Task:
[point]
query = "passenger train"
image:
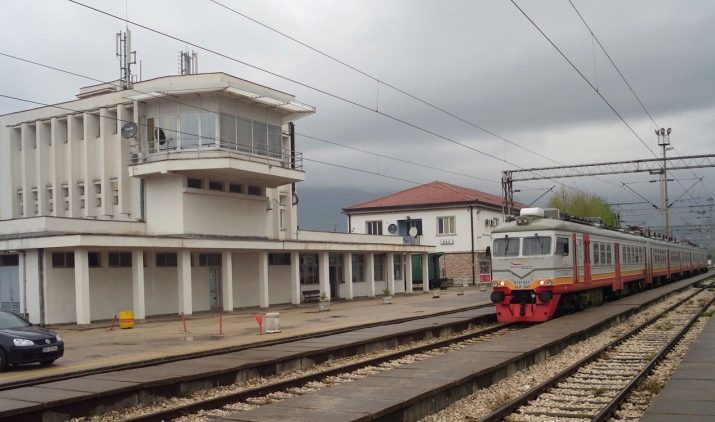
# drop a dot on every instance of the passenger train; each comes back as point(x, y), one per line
point(543, 263)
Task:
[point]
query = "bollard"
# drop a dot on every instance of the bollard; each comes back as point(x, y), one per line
point(273, 322)
point(183, 320)
point(220, 325)
point(259, 320)
point(114, 321)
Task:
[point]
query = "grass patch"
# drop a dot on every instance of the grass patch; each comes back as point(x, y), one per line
point(708, 314)
point(599, 391)
point(652, 386)
point(650, 356)
point(500, 400)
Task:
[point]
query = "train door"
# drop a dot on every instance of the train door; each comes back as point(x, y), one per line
point(586, 258)
point(575, 252)
point(618, 285)
point(667, 261)
point(648, 265)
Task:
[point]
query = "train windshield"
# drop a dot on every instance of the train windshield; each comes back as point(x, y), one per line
point(509, 246)
point(537, 245)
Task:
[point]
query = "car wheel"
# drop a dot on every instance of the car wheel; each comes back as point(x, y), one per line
point(3, 360)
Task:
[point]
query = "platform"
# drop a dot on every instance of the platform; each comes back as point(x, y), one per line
point(689, 395)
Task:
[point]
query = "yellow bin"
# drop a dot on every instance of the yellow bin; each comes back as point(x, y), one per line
point(126, 319)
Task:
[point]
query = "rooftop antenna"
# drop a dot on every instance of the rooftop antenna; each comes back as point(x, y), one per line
point(188, 63)
point(126, 57)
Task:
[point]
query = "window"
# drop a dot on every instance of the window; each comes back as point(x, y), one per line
point(120, 259)
point(281, 211)
point(404, 226)
point(189, 128)
point(34, 201)
point(562, 246)
point(278, 259)
point(94, 259)
point(358, 263)
point(63, 260)
point(208, 129)
point(9, 260)
point(115, 191)
point(445, 225)
point(255, 190)
point(80, 192)
point(596, 255)
point(228, 131)
point(78, 122)
point(165, 260)
point(373, 227)
point(234, 188)
point(20, 203)
point(215, 185)
point(260, 138)
point(537, 245)
point(602, 253)
point(274, 141)
point(209, 260)
point(508, 246)
point(50, 197)
point(379, 267)
point(398, 267)
point(609, 254)
point(309, 269)
point(335, 268)
point(194, 183)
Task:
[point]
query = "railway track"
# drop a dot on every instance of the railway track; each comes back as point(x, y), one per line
point(304, 383)
point(143, 364)
point(594, 387)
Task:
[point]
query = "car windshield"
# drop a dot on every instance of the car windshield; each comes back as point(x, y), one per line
point(508, 246)
point(537, 245)
point(8, 320)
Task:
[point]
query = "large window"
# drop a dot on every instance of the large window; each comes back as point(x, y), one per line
point(358, 268)
point(189, 129)
point(537, 245)
point(166, 260)
point(379, 267)
point(250, 136)
point(120, 259)
point(446, 225)
point(398, 267)
point(63, 260)
point(373, 227)
point(506, 247)
point(309, 269)
point(562, 246)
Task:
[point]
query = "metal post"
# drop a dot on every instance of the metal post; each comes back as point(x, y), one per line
point(664, 141)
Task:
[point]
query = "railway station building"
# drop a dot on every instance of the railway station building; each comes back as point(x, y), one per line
point(176, 195)
point(456, 219)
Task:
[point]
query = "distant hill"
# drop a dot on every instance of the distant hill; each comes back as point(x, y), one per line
point(320, 208)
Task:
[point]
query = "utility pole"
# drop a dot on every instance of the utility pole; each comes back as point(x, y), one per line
point(664, 142)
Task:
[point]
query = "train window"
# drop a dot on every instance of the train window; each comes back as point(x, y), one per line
point(562, 246)
point(509, 246)
point(596, 255)
point(609, 254)
point(537, 245)
point(602, 252)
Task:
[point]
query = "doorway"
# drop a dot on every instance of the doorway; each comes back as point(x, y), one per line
point(215, 287)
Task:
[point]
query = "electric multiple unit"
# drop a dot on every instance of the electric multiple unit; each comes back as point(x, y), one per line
point(542, 263)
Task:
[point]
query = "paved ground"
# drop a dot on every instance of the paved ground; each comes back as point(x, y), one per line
point(155, 338)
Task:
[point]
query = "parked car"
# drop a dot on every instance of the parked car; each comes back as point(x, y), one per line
point(21, 342)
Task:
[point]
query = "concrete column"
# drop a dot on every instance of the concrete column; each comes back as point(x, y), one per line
point(27, 142)
point(138, 294)
point(408, 273)
point(324, 273)
point(391, 273)
point(227, 281)
point(295, 295)
point(263, 279)
point(348, 274)
point(425, 273)
point(183, 271)
point(370, 274)
point(56, 167)
point(40, 168)
point(81, 286)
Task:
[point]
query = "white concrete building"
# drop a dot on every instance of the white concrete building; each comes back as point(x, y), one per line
point(457, 220)
point(174, 196)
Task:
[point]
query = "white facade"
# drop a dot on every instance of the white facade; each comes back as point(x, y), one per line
point(195, 211)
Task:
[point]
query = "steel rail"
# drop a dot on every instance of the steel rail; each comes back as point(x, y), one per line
point(502, 412)
point(217, 402)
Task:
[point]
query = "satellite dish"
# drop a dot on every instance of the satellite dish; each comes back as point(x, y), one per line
point(392, 228)
point(413, 231)
point(129, 130)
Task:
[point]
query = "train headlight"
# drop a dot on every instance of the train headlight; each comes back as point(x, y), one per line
point(502, 283)
point(541, 282)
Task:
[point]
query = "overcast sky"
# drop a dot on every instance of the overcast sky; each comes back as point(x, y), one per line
point(480, 60)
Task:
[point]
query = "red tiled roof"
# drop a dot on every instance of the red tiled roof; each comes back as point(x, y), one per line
point(434, 193)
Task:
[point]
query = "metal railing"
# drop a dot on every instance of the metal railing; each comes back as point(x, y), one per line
point(171, 148)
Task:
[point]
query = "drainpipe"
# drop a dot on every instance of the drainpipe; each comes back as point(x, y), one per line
point(41, 283)
point(471, 230)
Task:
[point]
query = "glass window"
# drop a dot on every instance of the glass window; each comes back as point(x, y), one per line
point(379, 267)
point(189, 130)
point(562, 246)
point(255, 190)
point(166, 260)
point(94, 259)
point(194, 183)
point(309, 269)
point(398, 267)
point(260, 138)
point(374, 227)
point(506, 247)
point(234, 188)
point(215, 185)
point(228, 131)
point(278, 259)
point(609, 254)
point(120, 259)
point(537, 245)
point(208, 129)
point(446, 225)
point(245, 134)
point(358, 263)
point(274, 141)
point(63, 260)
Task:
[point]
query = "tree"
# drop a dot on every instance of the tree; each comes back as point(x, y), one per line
point(581, 204)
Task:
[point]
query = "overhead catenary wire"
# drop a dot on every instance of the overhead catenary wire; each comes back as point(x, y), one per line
point(305, 85)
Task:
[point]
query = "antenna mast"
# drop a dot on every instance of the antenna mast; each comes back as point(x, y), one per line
point(188, 63)
point(126, 57)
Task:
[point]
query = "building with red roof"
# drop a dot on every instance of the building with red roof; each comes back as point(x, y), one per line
point(456, 219)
